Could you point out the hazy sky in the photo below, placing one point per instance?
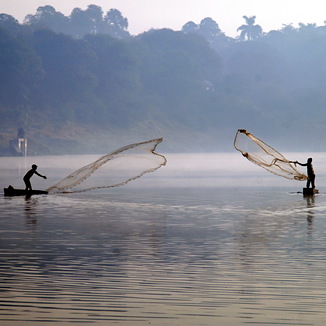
(146, 14)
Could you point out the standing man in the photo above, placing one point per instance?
(310, 172)
(28, 176)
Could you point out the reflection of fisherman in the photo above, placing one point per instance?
(310, 172)
(29, 174)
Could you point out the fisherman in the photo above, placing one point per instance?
(310, 172)
(28, 176)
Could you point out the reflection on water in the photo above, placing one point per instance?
(164, 256)
(169, 257)
(310, 212)
(30, 209)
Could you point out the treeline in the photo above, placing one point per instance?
(196, 81)
(80, 22)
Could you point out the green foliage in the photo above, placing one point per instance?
(80, 22)
(68, 65)
(20, 71)
(250, 30)
(48, 17)
(182, 82)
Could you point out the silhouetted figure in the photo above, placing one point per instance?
(28, 176)
(21, 133)
(310, 172)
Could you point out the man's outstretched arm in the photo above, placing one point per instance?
(40, 175)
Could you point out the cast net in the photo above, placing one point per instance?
(258, 152)
(114, 169)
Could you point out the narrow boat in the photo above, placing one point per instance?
(310, 191)
(11, 191)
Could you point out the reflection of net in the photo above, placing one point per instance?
(256, 151)
(118, 168)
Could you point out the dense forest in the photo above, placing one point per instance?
(82, 83)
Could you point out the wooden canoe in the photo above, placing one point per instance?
(11, 191)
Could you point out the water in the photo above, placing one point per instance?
(199, 242)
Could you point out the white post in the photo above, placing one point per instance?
(22, 145)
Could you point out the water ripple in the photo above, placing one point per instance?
(139, 258)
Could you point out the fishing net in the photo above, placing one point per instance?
(261, 154)
(114, 169)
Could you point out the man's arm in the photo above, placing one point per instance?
(296, 162)
(40, 175)
(302, 164)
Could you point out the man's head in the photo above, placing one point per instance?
(309, 160)
(34, 166)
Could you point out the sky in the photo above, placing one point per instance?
(146, 14)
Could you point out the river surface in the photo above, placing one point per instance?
(210, 239)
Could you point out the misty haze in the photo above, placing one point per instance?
(82, 84)
(188, 233)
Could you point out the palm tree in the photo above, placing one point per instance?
(250, 30)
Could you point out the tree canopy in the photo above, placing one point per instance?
(80, 22)
(250, 30)
(196, 81)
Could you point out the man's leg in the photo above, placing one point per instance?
(312, 181)
(28, 185)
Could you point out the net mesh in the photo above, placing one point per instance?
(114, 169)
(263, 155)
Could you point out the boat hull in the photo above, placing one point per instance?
(10, 191)
(310, 191)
